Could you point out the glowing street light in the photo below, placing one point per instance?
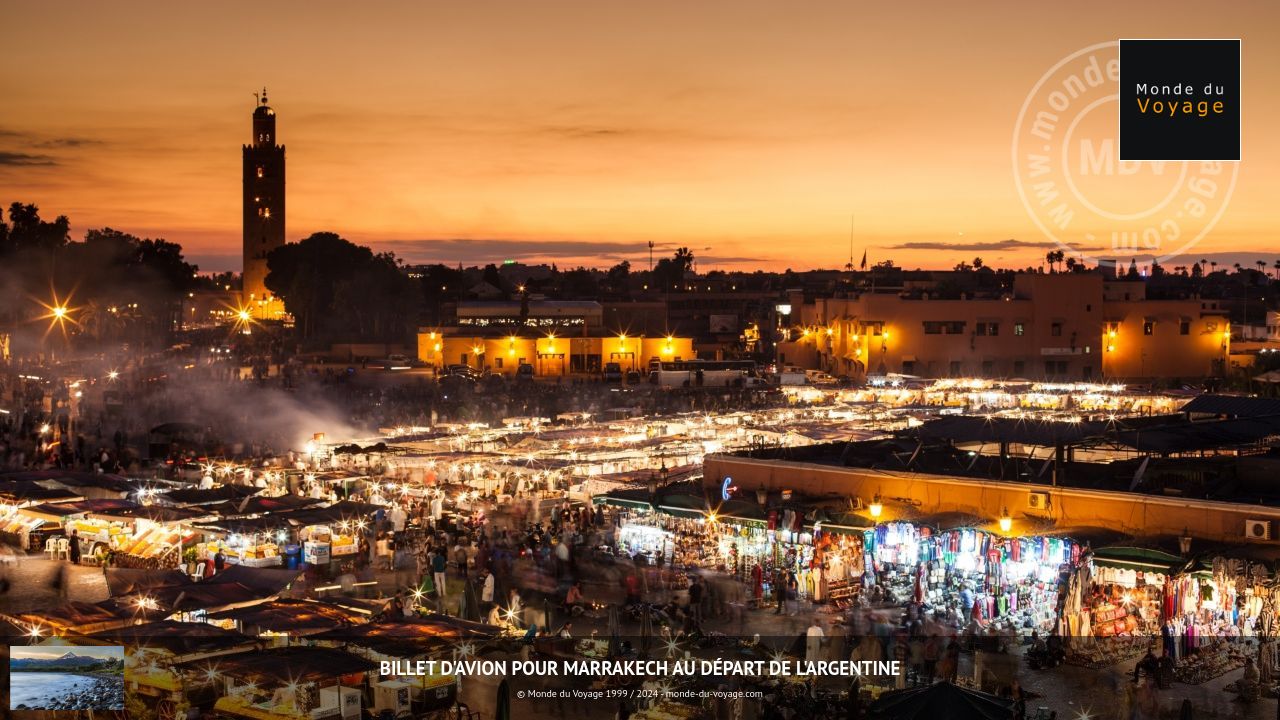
(876, 507)
(58, 313)
(1006, 522)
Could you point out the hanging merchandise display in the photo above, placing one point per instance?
(969, 575)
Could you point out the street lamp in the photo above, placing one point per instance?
(876, 507)
(1184, 543)
(1006, 522)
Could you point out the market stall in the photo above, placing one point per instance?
(156, 648)
(434, 637)
(96, 532)
(158, 535)
(969, 574)
(23, 531)
(325, 543)
(1121, 601)
(244, 542)
(293, 682)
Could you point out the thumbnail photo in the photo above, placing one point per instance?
(62, 677)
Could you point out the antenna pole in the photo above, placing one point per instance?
(850, 266)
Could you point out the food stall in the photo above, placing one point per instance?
(252, 542)
(436, 637)
(252, 550)
(326, 543)
(24, 531)
(290, 682)
(158, 534)
(97, 533)
(155, 650)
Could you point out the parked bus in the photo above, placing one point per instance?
(705, 373)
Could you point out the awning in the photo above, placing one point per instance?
(619, 500)
(1141, 559)
(284, 665)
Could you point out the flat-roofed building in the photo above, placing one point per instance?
(1069, 326)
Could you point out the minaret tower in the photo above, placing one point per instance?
(263, 210)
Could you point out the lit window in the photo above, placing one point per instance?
(1148, 328)
(259, 171)
(1019, 329)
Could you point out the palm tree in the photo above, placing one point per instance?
(1277, 267)
(1262, 266)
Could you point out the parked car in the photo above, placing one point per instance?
(524, 373)
(612, 372)
(463, 371)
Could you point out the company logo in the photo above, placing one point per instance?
(1088, 201)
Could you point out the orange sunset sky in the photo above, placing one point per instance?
(577, 132)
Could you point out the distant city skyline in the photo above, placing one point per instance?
(575, 133)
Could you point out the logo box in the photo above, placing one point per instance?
(1180, 99)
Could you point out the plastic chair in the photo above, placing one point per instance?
(199, 573)
(51, 547)
(64, 548)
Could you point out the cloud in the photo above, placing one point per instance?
(586, 132)
(588, 252)
(980, 246)
(67, 142)
(992, 245)
(17, 159)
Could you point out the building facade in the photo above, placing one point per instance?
(1068, 327)
(264, 211)
(549, 354)
(555, 337)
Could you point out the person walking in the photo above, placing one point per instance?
(73, 548)
(813, 642)
(486, 591)
(695, 598)
(439, 564)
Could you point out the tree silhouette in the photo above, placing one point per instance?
(669, 273)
